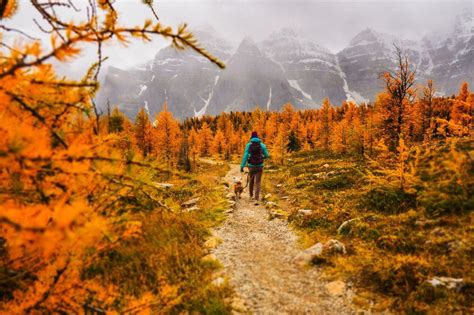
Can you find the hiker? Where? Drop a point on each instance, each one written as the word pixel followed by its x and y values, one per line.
pixel 255 153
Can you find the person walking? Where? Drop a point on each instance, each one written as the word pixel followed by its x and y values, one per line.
pixel 254 154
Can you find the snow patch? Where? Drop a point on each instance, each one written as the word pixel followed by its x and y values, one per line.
pixel 152 78
pixel 294 84
pixel 147 109
pixel 269 98
pixel 142 89
pixel 350 95
pixel 202 111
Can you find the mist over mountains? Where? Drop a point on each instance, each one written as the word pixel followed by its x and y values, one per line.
pixel 285 67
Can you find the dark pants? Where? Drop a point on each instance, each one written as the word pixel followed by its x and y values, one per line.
pixel 255 174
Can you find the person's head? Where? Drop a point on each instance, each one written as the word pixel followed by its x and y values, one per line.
pixel 254 135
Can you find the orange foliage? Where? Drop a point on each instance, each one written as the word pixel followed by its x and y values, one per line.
pixel 60 175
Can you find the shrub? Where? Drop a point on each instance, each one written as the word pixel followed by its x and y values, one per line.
pixel 396 276
pixel 388 200
pixel 337 182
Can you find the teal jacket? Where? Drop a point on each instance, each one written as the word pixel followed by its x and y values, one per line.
pixel 247 154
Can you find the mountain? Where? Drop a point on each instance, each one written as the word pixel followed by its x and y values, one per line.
pixel 285 67
pixel 251 79
pixel 183 79
pixel 452 56
pixel 310 69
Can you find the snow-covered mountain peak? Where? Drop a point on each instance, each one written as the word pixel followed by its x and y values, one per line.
pixel 248 47
pixel 370 36
pixel 464 25
pixel 283 33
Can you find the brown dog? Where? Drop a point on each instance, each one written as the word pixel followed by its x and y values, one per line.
pixel 238 188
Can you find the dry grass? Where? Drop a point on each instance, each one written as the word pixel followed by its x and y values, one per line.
pixel 397 242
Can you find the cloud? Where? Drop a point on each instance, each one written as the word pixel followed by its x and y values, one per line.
pixel 329 23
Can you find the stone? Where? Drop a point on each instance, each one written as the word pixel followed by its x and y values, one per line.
pixel 209 257
pixel 335 246
pixel 345 224
pixel 212 242
pixel 336 288
pixel 450 283
pixel 279 185
pixel 277 215
pixel 304 213
pixel 190 202
pixel 218 282
pixel 306 256
pixel 193 208
pixel 331 173
pixel 267 196
pixel 230 196
pixel 271 204
pixel 230 210
pixel 326 165
pixel 163 185
pixel 285 197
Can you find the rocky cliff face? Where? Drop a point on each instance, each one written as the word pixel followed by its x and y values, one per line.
pixel 285 68
pixel 251 79
pixel 311 70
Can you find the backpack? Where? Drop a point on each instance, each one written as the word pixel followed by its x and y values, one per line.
pixel 256 154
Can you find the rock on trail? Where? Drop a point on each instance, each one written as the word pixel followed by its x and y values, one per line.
pixel 258 254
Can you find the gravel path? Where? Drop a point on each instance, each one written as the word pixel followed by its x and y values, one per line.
pixel 257 253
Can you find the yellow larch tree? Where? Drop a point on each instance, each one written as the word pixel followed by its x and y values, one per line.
pixel 166 136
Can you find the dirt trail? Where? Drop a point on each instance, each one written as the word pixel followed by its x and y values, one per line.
pixel 257 253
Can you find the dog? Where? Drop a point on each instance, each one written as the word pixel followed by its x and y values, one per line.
pixel 238 187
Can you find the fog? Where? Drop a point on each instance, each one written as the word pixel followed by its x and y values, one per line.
pixel 329 23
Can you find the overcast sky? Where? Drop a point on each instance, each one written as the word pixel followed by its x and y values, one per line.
pixel 330 23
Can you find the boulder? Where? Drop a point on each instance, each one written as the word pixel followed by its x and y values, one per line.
pixel 334 246
pixel 447 282
pixel 306 256
pixel 190 203
pixel 303 213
